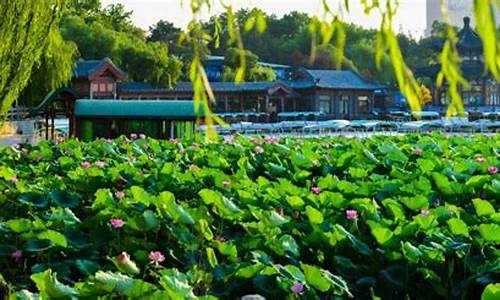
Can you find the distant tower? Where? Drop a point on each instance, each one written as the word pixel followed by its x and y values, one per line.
pixel 457 9
pixel 433 13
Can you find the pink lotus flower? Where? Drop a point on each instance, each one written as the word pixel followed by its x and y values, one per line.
pixel 295 214
pixel 122 257
pixel 173 141
pixel 156 257
pixel 418 151
pixel 15 146
pixel 493 170
pixel 425 212
pixel 255 140
pixel 142 136
pixel 351 214
pixel 259 150
pixel 480 160
pixel 86 165
pixel 120 194
pixel 226 183
pixel 133 136
pixel 99 164
pixel 229 139
pixel 271 140
pixel 297 288
pixel 14 180
pixel 117 223
pixel 16 255
pixel 316 190
pixel 59 139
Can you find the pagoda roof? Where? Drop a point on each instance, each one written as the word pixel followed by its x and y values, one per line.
pixel 468 39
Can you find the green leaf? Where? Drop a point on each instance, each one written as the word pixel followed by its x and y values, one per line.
pixel 295 202
pixel 489 232
pixel 315 278
pixel 55 237
pixel 26 295
pixel 139 195
pixel 125 265
pixel 114 281
pixel 34 199
pixel 358 245
pixel 150 220
pixel 412 253
pixel 395 277
pixel 48 284
pixel 64 200
pixel 382 235
pixel 477 181
pixel 38 245
pixel 167 204
pixel 442 183
pixel 483 207
pixel 204 228
pixel 249 271
pixel 103 199
pixel 87 267
pixel 211 257
pixel 176 284
pixel 19 225
pixel 491 292
pixel 227 249
pixel 289 244
pixel 314 215
pixel 458 227
pixel 416 203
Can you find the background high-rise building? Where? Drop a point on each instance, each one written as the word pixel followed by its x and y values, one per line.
pixel 458 9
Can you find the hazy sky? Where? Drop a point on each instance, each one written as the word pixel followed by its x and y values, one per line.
pixel 410 18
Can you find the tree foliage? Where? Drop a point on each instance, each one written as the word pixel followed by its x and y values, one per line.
pixel 29 35
pixel 110 33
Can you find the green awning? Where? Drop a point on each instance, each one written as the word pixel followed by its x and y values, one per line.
pixel 137 109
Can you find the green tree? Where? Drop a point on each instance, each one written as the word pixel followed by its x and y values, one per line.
pixel 253 71
pixel 24 29
pixel 142 60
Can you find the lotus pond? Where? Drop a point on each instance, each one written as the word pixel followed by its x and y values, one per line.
pixel 408 217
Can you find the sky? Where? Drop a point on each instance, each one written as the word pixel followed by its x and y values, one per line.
pixel 411 17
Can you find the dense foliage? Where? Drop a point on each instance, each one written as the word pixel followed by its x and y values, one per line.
pixel 392 217
pixel 29 37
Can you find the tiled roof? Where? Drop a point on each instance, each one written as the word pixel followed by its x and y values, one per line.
pixel 151 109
pixel 85 68
pixel 328 79
pixel 468 39
pixel 348 80
pixel 188 88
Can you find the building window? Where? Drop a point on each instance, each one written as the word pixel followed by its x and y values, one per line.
pixel 94 87
pixel 364 104
pixel 324 104
pixel 102 87
pixel 110 87
pixel 344 105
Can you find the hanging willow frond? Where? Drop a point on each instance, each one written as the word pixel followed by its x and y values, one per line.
pixel 450 67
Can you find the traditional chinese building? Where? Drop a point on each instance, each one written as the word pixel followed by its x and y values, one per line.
pixel 326 94
pixel 483 93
